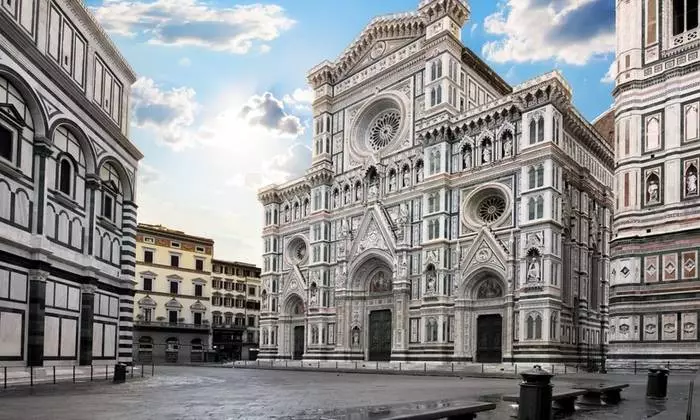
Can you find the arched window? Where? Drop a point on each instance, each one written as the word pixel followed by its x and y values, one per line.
pixel 65 176
pixel 553 326
pixel 171 344
pixel 540 129
pixel 432 202
pixel 112 188
pixel 535 208
pixel 296 211
pixel 431 330
pixel 685 16
pixel 653 135
pixel 305 210
pixel 533 131
pixel 286 214
pixel 536 176
pixel 534 326
pixel 692 121
pixel 435 161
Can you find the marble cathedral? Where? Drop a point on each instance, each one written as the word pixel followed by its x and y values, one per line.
pixel 446 216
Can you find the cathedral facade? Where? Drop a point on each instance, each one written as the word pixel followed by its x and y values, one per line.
pixel 446 216
pixel 654 303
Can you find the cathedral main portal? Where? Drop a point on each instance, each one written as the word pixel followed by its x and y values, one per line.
pixel 380 336
pixel 488 330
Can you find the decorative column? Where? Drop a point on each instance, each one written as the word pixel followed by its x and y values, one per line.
pixel 402 296
pixel 460 330
pixel 93 185
pixel 87 311
pixel 42 151
pixel 128 274
pixel 37 306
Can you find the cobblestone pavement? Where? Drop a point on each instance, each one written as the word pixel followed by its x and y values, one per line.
pixel 220 393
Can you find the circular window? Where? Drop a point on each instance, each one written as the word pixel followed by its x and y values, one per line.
pixel 492 208
pixel 297 251
pixel 384 129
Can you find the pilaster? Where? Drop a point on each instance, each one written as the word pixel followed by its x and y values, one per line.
pixel 87 311
pixel 37 307
pixel 42 151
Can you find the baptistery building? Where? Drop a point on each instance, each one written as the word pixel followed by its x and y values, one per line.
pixel 446 216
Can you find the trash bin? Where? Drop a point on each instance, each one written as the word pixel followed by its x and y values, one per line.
pixel 119 373
pixel 657 383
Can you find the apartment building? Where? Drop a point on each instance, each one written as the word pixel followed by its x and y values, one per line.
pixel 172 313
pixel 235 309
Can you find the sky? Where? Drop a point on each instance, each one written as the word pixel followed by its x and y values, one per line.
pixel 222 108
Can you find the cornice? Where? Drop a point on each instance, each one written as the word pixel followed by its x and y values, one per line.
pixel 50 71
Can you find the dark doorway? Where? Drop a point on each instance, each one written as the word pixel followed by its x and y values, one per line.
pixel 380 336
pixel 488 347
pixel 298 343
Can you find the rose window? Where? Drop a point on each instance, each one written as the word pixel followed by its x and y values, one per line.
pixel 297 251
pixel 300 252
pixel 492 208
pixel 384 129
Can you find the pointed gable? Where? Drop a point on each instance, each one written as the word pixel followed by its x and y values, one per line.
pixel 375 232
pixel 485 251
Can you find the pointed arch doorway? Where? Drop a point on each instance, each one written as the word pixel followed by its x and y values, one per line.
pixel 489 326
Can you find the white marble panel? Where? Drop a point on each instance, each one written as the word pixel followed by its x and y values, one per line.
pixel 74 298
pixel 689 326
pixel 51 336
pixel 10 334
pixel 97 329
pixel 4 284
pixel 69 331
pixel 61 295
pixel 50 287
pixel 114 307
pixel 18 287
pixel 669 329
pixel 110 340
pixel 104 305
pixel 651 327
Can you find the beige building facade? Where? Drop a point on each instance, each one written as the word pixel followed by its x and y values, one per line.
pixel 172 311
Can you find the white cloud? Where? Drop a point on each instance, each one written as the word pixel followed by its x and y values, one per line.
pixel 170 113
pixel 234 29
pixel 147 174
pixel 570 31
pixel 268 112
pixel 300 99
pixel 293 163
pixel 610 74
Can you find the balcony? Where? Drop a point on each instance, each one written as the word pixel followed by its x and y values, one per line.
pixel 159 325
pixel 230 326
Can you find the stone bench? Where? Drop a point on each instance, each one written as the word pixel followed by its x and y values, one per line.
pixel 428 410
pixel 564 400
pixel 607 393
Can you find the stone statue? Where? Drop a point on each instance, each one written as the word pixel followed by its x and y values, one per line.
pixel 419 173
pixel 653 191
pixel 403 268
pixel 335 199
pixel 508 146
pixel 403 214
pixel 347 195
pixel 691 183
pixel 358 192
pixel 264 303
pixel 486 153
pixel 392 181
pixel 406 178
pixel 467 158
pixel 313 299
pixel 431 283
pixel 533 271
pixel 355 337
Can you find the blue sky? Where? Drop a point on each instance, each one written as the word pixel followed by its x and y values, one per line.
pixel 222 106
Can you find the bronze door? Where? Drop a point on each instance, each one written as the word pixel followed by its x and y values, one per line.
pixel 380 336
pixel 298 343
pixel 488 347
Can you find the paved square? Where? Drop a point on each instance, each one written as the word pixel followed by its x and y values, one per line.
pixel 217 393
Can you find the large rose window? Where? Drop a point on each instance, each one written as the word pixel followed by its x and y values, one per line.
pixel 492 208
pixel 384 129
pixel 297 251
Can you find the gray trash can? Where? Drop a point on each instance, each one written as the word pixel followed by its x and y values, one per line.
pixel 119 373
pixel 657 383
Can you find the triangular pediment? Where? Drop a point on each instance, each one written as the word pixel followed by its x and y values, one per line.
pixel 378 50
pixel 485 251
pixel 12 113
pixel 294 283
pixel 375 232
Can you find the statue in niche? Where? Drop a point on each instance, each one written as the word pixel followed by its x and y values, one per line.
pixel 358 192
pixel 486 153
pixel 380 283
pixel 340 275
pixel 403 267
pixel 430 287
pixel 392 181
pixel 403 214
pixel 419 173
pixel 264 302
pixel 314 299
pixel 507 145
pixel 653 191
pixel 489 289
pixel 533 271
pixel 406 177
pixel 336 196
pixel 355 337
pixel 306 208
pixel 286 214
pixel 347 195
pixel 691 181
pixel 466 157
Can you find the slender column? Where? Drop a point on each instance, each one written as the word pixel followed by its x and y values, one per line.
pixel 37 306
pixel 128 273
pixel 93 185
pixel 87 311
pixel 461 330
pixel 42 151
